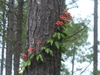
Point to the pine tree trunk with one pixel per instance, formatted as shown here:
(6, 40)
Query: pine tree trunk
(17, 50)
(10, 35)
(95, 58)
(42, 17)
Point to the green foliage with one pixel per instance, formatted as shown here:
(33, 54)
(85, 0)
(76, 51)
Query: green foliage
(39, 57)
(77, 34)
(89, 56)
(47, 50)
(58, 44)
(23, 37)
(50, 41)
(25, 64)
(24, 27)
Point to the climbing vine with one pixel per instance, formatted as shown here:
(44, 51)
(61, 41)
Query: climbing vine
(64, 20)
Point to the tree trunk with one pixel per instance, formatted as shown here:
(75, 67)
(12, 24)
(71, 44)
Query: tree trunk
(42, 16)
(73, 59)
(3, 39)
(95, 58)
(17, 50)
(10, 36)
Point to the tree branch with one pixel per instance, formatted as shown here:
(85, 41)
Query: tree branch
(85, 68)
(76, 32)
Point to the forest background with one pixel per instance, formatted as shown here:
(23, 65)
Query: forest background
(79, 49)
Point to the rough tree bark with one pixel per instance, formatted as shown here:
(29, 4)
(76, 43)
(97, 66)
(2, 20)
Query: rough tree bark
(10, 35)
(18, 37)
(42, 16)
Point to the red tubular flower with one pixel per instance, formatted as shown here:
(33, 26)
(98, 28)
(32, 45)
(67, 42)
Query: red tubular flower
(31, 50)
(59, 23)
(68, 14)
(39, 42)
(63, 18)
(24, 55)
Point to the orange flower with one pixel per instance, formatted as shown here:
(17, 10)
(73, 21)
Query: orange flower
(63, 18)
(68, 14)
(24, 55)
(31, 50)
(39, 42)
(59, 23)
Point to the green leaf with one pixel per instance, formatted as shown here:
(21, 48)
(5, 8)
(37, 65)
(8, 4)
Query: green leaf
(63, 36)
(47, 50)
(57, 44)
(50, 41)
(29, 62)
(58, 35)
(63, 50)
(25, 63)
(51, 52)
(31, 56)
(55, 34)
(39, 57)
(43, 48)
(23, 68)
(64, 27)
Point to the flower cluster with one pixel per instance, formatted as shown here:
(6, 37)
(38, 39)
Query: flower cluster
(31, 50)
(64, 18)
(67, 14)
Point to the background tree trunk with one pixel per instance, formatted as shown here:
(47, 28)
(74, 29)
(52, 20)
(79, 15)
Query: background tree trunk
(10, 36)
(18, 37)
(95, 58)
(3, 37)
(40, 26)
(73, 60)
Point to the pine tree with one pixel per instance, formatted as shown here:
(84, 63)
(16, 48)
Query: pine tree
(42, 16)
(95, 47)
(10, 37)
